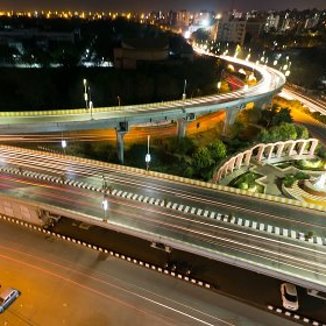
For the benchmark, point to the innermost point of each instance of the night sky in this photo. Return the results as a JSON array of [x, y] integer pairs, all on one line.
[[146, 5]]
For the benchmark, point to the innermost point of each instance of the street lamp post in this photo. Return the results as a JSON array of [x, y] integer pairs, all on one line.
[[184, 95], [87, 97], [91, 108], [85, 92], [105, 204], [148, 155], [64, 145], [119, 100]]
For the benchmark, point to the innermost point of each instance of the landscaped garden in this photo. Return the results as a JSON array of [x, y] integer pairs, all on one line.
[[247, 181], [316, 164], [290, 179]]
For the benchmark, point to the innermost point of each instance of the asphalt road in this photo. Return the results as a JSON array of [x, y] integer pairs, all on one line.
[[63, 284]]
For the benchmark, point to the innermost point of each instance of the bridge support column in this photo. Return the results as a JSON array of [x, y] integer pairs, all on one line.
[[182, 128], [264, 104], [121, 130], [231, 115]]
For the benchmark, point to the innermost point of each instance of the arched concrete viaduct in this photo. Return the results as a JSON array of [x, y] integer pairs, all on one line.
[[266, 152]]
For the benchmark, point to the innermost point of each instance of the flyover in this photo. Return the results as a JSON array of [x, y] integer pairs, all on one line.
[[293, 259], [121, 118]]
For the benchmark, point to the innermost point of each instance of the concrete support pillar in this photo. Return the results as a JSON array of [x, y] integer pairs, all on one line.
[[264, 103], [232, 165], [292, 149], [302, 148], [231, 115], [313, 147], [270, 152], [120, 145], [239, 159], [260, 153], [182, 128], [280, 150], [248, 158]]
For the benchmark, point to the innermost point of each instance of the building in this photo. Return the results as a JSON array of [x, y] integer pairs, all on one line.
[[312, 22], [231, 30], [14, 35], [184, 19], [253, 30], [133, 51], [272, 22]]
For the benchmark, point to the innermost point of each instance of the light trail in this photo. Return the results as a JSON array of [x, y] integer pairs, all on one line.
[[64, 165], [202, 233]]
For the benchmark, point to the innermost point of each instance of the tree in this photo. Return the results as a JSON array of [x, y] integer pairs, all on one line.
[[280, 116], [202, 158], [276, 116], [302, 132], [286, 131], [202, 163], [217, 150]]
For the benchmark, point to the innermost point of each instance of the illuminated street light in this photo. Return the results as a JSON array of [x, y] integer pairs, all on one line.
[[85, 92], [91, 108], [287, 73], [64, 145], [87, 97], [187, 34], [219, 85], [105, 205], [148, 155], [184, 95]]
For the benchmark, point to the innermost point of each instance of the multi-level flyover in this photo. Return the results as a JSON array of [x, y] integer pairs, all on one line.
[[121, 118], [172, 212]]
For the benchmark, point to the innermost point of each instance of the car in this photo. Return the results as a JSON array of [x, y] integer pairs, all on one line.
[[289, 296], [7, 297]]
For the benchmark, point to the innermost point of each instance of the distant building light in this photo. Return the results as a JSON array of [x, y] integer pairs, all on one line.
[[187, 34], [205, 23]]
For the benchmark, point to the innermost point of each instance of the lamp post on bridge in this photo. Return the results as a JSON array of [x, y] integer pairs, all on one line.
[[87, 97], [148, 155], [184, 95]]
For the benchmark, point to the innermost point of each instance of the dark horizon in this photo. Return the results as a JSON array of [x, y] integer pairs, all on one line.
[[149, 5]]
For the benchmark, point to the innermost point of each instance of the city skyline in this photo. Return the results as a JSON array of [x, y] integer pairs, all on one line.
[[146, 5]]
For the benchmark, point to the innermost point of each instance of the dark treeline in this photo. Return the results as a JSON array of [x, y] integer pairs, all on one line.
[[28, 89]]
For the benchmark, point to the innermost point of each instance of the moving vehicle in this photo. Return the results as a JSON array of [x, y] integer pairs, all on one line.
[[7, 297], [289, 296], [317, 294]]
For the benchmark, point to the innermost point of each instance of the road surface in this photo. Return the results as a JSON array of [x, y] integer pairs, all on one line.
[[63, 284]]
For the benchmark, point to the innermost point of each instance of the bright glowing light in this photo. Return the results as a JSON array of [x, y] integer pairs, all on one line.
[[205, 23], [187, 34], [320, 183], [242, 71], [105, 204], [231, 67], [63, 143]]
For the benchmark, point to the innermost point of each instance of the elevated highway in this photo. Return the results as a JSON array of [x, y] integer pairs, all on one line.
[[121, 118], [294, 260]]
